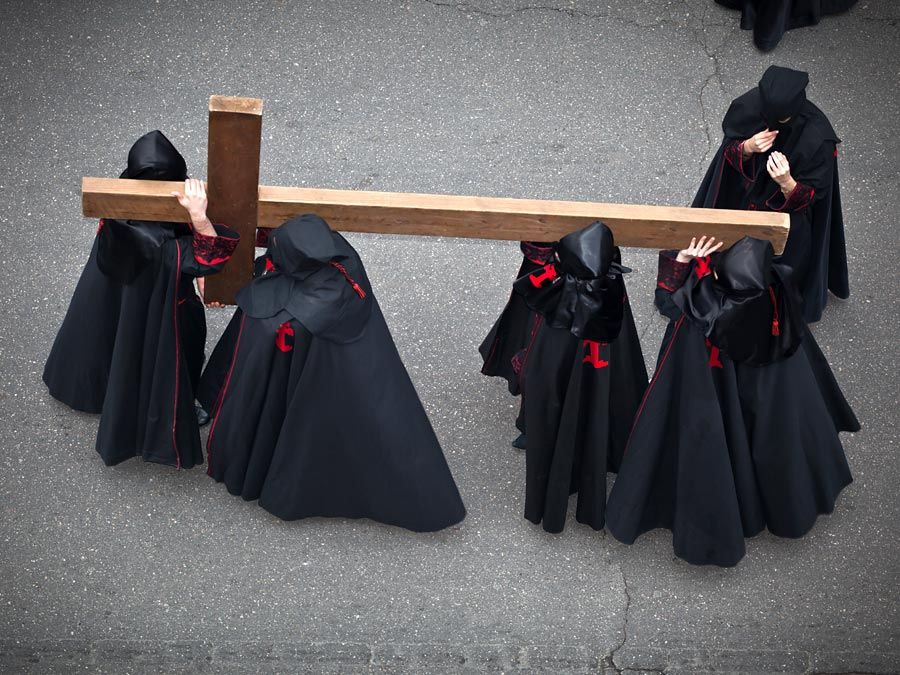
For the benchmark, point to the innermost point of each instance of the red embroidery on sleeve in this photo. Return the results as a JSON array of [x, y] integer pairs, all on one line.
[[539, 255], [547, 274], [799, 198], [284, 332], [593, 355], [100, 226], [671, 273], [211, 251], [734, 155]]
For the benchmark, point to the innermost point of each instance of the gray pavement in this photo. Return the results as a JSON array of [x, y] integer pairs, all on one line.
[[140, 568]]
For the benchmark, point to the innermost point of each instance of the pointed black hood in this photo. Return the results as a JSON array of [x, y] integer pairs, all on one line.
[[318, 279], [782, 94], [583, 290], [125, 247], [744, 303], [153, 157]]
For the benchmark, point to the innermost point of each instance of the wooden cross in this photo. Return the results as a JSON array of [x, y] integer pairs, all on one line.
[[237, 199]]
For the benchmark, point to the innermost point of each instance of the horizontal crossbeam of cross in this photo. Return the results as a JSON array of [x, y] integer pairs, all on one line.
[[237, 200]]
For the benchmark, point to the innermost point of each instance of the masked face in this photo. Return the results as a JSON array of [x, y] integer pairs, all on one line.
[[782, 93]]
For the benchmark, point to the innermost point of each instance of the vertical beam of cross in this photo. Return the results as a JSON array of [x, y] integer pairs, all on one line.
[[235, 134]]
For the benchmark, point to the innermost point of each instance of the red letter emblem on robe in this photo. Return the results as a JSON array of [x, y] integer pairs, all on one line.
[[593, 354], [284, 332]]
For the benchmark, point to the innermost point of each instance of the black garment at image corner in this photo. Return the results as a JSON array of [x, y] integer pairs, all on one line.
[[721, 450], [582, 378], [815, 249], [314, 413], [770, 19], [131, 345]]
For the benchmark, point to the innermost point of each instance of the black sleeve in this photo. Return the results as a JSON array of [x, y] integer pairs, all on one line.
[[202, 254]]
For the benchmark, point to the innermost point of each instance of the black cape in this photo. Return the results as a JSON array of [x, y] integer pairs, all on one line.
[[318, 417], [721, 450], [815, 250], [512, 331], [579, 392], [131, 344], [769, 19]]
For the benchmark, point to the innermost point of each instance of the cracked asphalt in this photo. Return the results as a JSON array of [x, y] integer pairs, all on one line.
[[140, 568]]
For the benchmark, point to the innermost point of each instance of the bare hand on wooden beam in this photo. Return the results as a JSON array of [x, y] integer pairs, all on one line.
[[193, 199]]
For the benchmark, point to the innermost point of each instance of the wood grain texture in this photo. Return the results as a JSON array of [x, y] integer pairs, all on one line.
[[235, 133], [236, 104], [655, 227]]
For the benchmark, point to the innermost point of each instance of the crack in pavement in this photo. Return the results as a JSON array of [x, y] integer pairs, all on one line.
[[611, 658], [700, 35]]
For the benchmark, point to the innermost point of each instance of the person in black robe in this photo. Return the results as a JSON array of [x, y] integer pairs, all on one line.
[[582, 378], [780, 154], [131, 346], [738, 430], [769, 19], [316, 414], [503, 348]]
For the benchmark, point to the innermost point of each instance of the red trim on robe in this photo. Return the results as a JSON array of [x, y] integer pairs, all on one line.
[[212, 251], [671, 274], [734, 155], [799, 198]]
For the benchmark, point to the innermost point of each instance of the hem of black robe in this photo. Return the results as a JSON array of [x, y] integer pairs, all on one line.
[[824, 510], [165, 461], [455, 519], [70, 404]]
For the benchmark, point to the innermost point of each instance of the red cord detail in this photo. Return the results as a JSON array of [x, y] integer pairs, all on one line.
[[775, 328], [356, 287]]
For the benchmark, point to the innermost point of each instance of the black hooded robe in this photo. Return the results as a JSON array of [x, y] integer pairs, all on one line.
[[815, 249], [131, 344], [582, 379], [721, 450], [512, 331], [770, 19], [317, 415]]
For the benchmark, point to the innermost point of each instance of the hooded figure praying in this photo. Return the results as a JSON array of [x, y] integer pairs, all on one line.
[[131, 346], [780, 154]]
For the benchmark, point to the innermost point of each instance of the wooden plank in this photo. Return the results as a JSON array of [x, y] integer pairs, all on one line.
[[132, 199], [235, 132], [450, 216], [656, 227]]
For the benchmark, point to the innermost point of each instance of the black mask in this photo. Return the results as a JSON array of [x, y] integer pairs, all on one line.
[[782, 93]]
